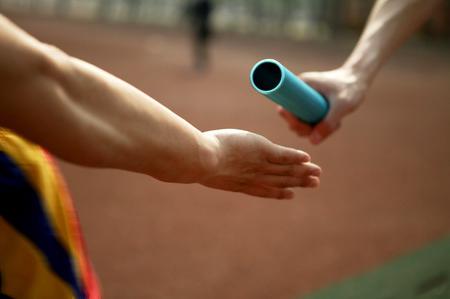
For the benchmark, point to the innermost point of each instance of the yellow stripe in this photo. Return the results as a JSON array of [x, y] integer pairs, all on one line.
[[33, 162], [24, 271]]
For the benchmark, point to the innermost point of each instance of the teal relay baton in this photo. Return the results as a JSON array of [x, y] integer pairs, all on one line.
[[272, 79]]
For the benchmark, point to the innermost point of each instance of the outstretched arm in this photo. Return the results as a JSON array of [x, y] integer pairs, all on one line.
[[391, 22], [89, 117]]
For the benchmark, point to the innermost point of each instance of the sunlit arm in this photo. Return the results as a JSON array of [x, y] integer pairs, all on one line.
[[90, 117], [87, 116], [390, 23]]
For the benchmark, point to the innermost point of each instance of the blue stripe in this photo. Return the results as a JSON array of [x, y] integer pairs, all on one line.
[[21, 207]]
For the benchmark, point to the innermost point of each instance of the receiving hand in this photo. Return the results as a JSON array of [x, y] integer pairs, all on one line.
[[251, 164]]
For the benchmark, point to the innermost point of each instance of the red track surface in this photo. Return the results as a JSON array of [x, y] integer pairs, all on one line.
[[385, 187]]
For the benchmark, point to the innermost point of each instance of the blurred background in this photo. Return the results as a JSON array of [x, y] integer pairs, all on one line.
[[297, 19], [385, 189]]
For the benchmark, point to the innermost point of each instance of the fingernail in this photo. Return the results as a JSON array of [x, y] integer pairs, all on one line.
[[317, 171], [305, 157], [315, 137], [315, 183]]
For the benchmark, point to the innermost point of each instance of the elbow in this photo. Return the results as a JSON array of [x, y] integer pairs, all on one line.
[[24, 71], [54, 63], [44, 62]]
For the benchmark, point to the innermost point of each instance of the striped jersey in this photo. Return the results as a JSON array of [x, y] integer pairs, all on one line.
[[42, 253]]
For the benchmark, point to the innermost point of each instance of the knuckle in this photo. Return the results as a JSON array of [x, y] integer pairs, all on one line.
[[304, 183], [291, 170], [284, 158], [283, 183], [280, 194], [240, 184]]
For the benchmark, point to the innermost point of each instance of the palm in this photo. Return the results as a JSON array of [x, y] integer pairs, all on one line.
[[251, 164]]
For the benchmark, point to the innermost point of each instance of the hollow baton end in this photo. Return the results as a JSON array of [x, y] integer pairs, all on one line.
[[271, 79]]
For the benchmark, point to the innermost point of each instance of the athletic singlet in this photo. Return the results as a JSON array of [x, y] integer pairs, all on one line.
[[42, 253]]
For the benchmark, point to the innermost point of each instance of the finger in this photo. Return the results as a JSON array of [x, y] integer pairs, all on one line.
[[314, 182], [328, 125], [322, 131], [286, 155], [301, 170], [284, 181], [301, 128], [269, 192]]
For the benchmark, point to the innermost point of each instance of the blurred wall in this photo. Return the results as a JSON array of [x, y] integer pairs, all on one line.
[[299, 19]]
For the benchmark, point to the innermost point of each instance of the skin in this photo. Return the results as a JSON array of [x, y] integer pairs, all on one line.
[[390, 23], [89, 117]]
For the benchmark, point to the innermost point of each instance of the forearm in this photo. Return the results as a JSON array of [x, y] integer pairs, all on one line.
[[101, 120], [391, 22], [87, 116]]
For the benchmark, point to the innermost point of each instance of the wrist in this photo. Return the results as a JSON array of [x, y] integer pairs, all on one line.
[[358, 73], [364, 62], [209, 155], [188, 168]]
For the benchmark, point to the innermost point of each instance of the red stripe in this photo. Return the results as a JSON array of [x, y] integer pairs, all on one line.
[[88, 277]]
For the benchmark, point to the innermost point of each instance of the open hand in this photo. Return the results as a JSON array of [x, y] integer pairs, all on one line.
[[251, 164]]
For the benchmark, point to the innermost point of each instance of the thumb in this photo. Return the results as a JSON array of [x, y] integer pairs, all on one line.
[[326, 127], [322, 131]]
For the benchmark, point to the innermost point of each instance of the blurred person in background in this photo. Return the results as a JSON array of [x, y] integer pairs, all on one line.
[[134, 7], [390, 23], [198, 13], [87, 116]]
